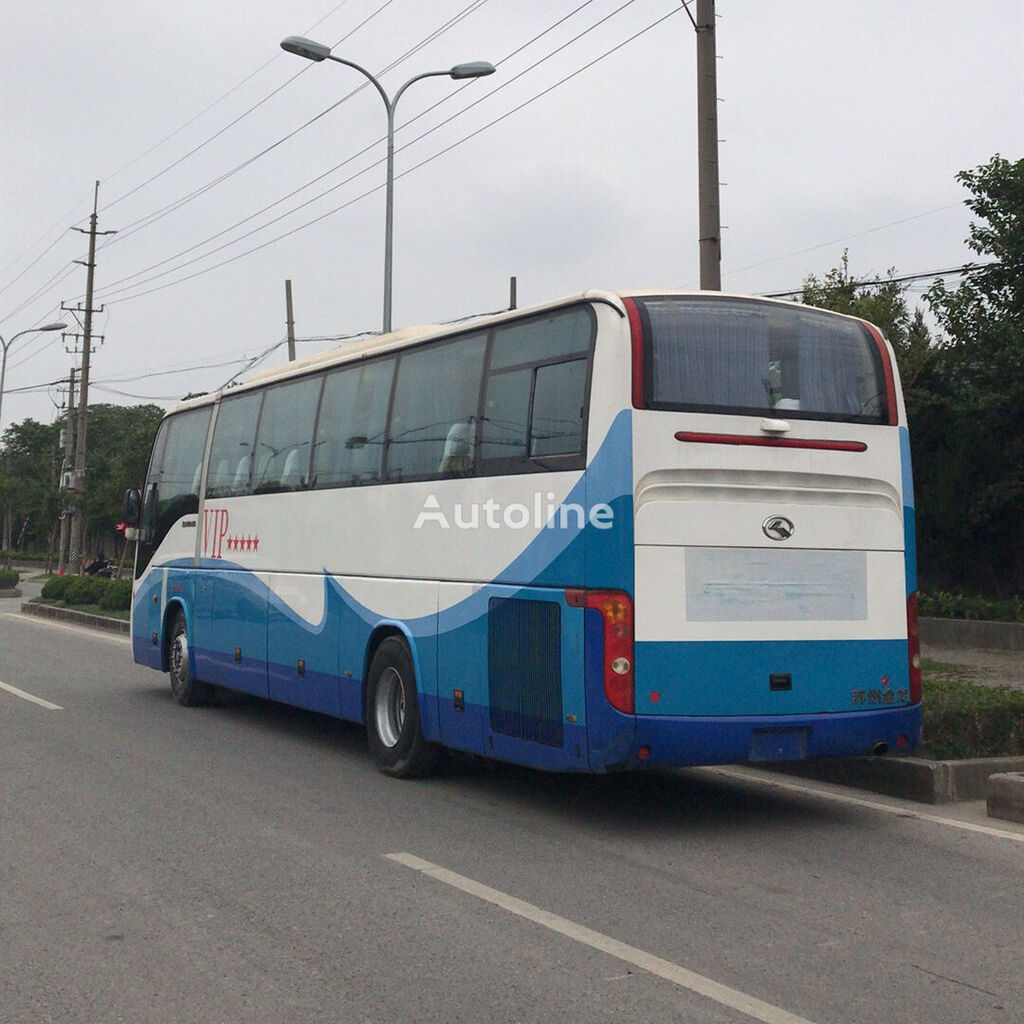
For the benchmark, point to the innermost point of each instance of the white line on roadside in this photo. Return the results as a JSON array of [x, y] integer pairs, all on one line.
[[899, 810], [30, 697], [36, 620], [678, 975]]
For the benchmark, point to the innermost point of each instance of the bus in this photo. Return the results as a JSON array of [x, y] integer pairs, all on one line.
[[611, 532]]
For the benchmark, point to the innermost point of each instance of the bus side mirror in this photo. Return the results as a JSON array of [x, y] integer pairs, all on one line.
[[131, 507]]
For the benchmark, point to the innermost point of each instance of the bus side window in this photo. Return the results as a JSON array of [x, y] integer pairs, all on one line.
[[556, 426], [351, 429], [231, 450], [438, 385]]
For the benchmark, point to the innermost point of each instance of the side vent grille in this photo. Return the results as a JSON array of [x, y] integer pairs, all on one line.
[[524, 660]]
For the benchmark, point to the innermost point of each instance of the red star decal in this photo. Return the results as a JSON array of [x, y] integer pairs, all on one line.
[[255, 543], [655, 697]]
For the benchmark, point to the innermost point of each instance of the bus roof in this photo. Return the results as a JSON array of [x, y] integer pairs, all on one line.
[[403, 337]]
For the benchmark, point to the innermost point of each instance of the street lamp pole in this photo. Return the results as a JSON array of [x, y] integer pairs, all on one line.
[[317, 52], [6, 346]]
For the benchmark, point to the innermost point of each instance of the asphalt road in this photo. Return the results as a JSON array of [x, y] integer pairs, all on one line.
[[246, 863]]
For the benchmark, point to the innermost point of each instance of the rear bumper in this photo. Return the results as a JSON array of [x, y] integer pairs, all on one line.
[[676, 741]]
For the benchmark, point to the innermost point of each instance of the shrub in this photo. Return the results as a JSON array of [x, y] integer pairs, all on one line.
[[8, 579], [84, 590], [55, 589], [941, 605], [962, 720], [117, 596]]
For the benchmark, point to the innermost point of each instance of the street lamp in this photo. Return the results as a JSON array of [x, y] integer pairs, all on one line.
[[317, 52], [8, 344]]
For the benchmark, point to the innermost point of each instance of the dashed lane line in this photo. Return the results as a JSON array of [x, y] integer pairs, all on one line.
[[672, 972], [31, 697]]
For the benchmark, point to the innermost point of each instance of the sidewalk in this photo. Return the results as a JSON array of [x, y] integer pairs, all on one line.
[[981, 667]]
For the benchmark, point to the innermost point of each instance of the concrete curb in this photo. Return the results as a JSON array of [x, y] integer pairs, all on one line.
[[912, 778], [49, 611], [1004, 796], [11, 592], [972, 634]]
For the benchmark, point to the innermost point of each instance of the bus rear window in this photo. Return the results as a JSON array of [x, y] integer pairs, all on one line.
[[743, 356]]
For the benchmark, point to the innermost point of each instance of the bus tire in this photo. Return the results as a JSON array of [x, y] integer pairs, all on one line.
[[188, 692], [393, 714]]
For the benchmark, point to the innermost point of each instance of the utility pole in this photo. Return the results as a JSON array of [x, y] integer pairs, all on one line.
[[290, 320], [77, 531], [65, 478], [707, 148]]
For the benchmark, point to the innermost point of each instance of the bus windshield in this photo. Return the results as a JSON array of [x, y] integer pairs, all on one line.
[[744, 356]]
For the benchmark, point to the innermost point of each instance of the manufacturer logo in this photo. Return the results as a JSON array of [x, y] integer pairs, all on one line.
[[777, 528]]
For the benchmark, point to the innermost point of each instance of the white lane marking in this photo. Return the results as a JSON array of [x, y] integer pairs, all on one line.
[[68, 627], [900, 810], [678, 975], [30, 697]]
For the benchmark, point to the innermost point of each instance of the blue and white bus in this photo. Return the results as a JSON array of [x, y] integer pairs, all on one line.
[[608, 532]]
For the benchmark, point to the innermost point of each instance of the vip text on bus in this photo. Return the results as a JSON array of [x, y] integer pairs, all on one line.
[[609, 532]]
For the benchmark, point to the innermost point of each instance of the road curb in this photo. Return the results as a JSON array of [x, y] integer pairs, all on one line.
[[49, 611], [972, 634], [912, 778], [1004, 796]]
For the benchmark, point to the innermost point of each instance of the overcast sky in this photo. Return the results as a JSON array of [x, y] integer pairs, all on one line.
[[573, 167]]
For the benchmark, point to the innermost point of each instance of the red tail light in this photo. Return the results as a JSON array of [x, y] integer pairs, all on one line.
[[914, 649], [616, 610]]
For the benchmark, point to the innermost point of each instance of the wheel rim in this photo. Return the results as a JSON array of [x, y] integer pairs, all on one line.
[[389, 707], [179, 657]]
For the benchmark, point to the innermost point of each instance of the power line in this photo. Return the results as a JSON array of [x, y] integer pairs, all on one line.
[[410, 170], [113, 289], [965, 268], [230, 125]]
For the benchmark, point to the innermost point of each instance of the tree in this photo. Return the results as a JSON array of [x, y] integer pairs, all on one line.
[[29, 483], [120, 438], [880, 301], [979, 481]]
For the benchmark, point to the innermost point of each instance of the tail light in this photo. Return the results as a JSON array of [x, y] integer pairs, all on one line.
[[914, 649], [616, 610]]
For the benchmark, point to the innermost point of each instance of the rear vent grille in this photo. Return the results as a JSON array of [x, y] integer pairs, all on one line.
[[524, 659]]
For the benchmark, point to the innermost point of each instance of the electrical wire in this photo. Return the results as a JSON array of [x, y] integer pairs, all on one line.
[[376, 188], [113, 288], [963, 269]]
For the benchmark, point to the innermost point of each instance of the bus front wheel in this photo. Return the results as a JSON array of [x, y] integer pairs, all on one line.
[[393, 714], [188, 692]]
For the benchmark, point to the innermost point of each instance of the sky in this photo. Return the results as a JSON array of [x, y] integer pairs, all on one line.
[[227, 166]]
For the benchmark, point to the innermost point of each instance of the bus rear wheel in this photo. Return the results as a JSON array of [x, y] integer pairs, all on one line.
[[393, 714], [188, 692]]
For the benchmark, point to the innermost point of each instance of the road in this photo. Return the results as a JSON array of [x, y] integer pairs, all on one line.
[[246, 863]]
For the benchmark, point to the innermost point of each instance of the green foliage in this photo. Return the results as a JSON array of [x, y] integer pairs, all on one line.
[[8, 579], [55, 589], [964, 392], [961, 720], [85, 590], [89, 592], [29, 469], [942, 605], [975, 427], [119, 441], [24, 556], [117, 596]]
